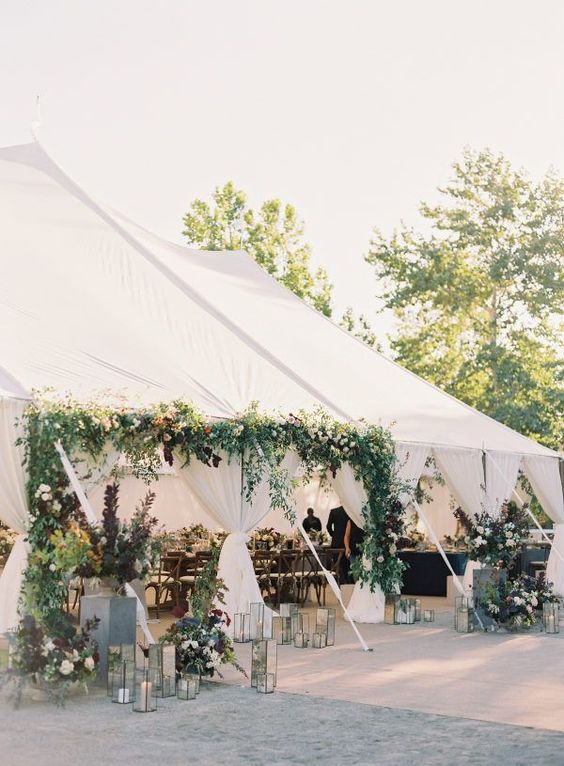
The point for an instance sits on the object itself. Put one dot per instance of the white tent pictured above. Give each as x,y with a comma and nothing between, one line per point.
90,301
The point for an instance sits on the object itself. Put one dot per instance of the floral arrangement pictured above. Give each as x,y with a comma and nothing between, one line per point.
52,663
182,433
266,538
113,549
202,645
454,542
512,603
320,538
7,540
201,642
495,542
412,537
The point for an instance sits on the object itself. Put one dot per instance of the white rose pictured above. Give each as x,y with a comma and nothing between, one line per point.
52,568
49,646
45,496
66,667
529,608
534,601
345,449
89,663
509,533
480,529
380,559
56,506
479,540
167,437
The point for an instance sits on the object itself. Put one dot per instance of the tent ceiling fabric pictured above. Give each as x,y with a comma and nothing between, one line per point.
90,301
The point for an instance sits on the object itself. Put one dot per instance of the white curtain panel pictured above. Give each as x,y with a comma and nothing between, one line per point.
544,475
220,492
364,606
13,509
502,469
411,459
463,471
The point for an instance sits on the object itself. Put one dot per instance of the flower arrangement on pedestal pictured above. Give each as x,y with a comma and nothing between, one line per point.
495,542
114,549
52,663
512,603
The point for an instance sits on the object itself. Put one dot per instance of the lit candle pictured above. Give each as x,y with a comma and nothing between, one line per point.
259,629
146,687
123,696
551,624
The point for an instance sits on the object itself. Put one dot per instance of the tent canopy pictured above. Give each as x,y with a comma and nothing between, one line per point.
90,301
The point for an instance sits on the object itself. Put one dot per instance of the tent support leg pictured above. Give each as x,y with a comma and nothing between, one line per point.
435,539
334,587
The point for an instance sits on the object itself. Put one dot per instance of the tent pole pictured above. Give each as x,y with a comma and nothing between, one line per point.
455,578
334,586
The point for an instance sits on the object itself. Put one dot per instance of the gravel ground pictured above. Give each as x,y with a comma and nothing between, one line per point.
229,724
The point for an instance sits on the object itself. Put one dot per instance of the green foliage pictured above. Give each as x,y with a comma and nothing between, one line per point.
477,297
273,236
208,588
360,328
179,432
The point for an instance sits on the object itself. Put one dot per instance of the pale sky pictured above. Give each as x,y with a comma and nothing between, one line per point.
353,111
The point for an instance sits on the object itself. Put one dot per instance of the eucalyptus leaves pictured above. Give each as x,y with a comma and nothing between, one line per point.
180,433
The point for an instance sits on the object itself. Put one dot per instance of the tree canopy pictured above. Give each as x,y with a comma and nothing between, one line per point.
478,295
273,236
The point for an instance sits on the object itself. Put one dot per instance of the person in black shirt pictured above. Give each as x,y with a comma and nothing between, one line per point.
336,526
353,538
312,522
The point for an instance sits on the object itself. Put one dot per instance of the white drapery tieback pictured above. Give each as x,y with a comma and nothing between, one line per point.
236,569
11,583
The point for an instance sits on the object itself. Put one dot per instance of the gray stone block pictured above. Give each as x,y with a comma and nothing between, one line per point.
117,615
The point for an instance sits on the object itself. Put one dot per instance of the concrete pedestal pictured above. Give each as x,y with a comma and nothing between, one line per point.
481,579
117,615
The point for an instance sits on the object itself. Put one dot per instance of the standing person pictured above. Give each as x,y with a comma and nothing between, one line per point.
353,538
336,526
312,522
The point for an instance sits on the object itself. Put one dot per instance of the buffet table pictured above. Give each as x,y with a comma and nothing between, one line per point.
427,572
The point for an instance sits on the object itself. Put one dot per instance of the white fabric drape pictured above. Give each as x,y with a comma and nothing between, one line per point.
463,471
364,606
502,469
544,475
411,459
13,509
220,492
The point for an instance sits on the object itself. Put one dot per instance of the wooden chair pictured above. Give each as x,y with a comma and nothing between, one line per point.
332,559
165,581
264,562
308,574
283,575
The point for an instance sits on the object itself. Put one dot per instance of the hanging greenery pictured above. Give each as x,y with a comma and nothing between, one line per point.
179,433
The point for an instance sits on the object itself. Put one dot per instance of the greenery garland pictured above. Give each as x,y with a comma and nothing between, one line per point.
179,431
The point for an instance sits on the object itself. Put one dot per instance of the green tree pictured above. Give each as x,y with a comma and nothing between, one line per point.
478,297
273,236
360,328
